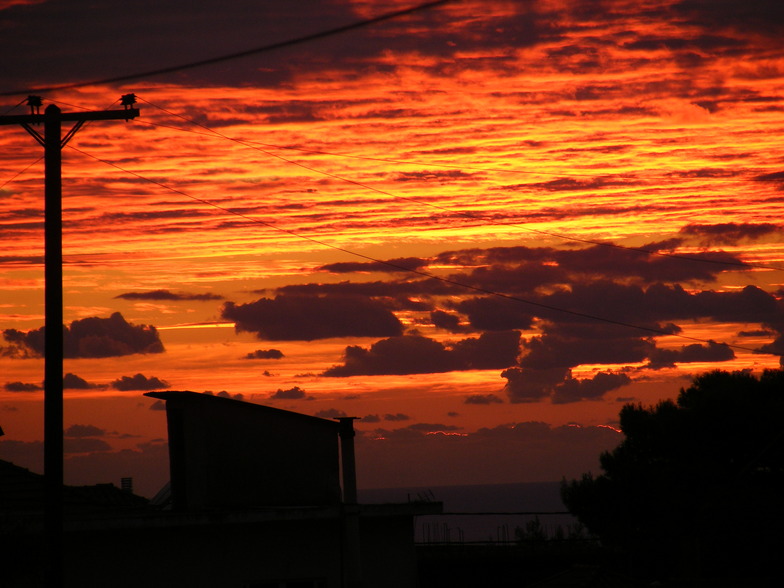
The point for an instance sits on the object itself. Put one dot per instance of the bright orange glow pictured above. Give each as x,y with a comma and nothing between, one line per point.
496,142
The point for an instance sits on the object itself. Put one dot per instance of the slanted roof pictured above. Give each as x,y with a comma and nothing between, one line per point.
187,397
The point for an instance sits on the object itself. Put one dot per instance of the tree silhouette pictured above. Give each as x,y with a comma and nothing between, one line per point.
695,489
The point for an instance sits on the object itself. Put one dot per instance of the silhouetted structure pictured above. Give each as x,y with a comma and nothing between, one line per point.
254,502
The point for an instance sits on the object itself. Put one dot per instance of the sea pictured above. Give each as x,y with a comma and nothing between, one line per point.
481,513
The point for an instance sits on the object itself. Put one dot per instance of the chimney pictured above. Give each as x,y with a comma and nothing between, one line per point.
126,484
347,459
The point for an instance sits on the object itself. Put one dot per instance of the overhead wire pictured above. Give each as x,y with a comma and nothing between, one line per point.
392,264
238,54
470,215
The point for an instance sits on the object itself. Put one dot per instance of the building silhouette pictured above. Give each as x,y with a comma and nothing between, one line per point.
256,500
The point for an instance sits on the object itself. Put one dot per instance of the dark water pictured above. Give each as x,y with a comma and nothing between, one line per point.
458,525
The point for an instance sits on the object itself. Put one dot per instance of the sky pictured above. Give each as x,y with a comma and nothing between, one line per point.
482,227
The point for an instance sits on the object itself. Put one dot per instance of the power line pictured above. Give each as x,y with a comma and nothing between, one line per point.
469,215
391,264
19,173
556,174
231,56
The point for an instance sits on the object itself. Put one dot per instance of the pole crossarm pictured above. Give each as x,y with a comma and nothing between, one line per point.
53,142
36,119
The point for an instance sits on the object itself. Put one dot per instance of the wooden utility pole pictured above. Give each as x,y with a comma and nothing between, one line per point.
53,143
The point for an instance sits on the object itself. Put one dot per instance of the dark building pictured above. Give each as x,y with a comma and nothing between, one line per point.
255,501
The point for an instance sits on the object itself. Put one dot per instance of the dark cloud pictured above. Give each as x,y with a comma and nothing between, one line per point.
225,394
265,354
441,177
397,417
138,382
295,393
521,270
378,289
106,34
331,413
483,399
167,295
415,354
432,427
569,345
446,321
730,233
558,385
400,264
148,465
762,16
532,385
22,387
491,313
84,445
94,337
78,431
407,354
158,405
570,184
530,451
573,390
567,295
371,418
310,317
491,350
74,382
710,352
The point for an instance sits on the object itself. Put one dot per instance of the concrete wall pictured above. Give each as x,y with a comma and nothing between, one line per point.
225,452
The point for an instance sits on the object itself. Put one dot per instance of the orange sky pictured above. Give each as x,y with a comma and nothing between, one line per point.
516,155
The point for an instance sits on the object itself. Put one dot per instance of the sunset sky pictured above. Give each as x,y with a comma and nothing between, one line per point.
482,227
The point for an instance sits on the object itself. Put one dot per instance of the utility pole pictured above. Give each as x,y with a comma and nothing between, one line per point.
53,143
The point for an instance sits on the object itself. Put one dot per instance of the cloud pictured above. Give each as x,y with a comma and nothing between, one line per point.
225,394
573,390
397,417
331,413
371,418
558,385
84,439
74,382
523,270
265,354
531,385
84,431
446,321
84,445
483,399
148,465
569,345
167,295
22,387
730,233
407,354
27,454
308,318
491,350
696,352
432,427
139,382
521,452
415,354
295,393
158,405
94,337
400,264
